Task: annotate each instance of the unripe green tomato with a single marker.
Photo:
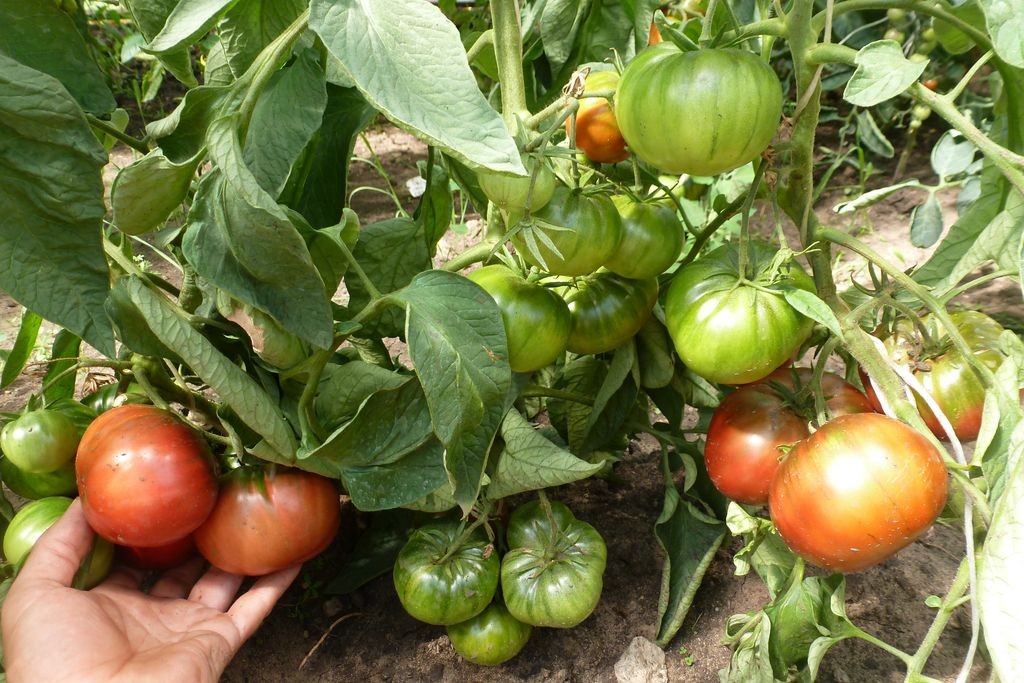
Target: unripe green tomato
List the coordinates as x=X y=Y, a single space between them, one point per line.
x=920 y=112
x=896 y=16
x=925 y=47
x=914 y=124
x=607 y=310
x=652 y=237
x=490 y=638
x=36 y=517
x=894 y=34
x=513 y=194
x=40 y=441
x=536 y=319
x=928 y=35
x=918 y=58
x=60 y=482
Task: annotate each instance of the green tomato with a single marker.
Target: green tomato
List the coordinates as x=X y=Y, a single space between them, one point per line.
x=490 y=638
x=513 y=194
x=553 y=572
x=607 y=310
x=652 y=237
x=587 y=230
x=60 y=482
x=36 y=517
x=703 y=112
x=536 y=319
x=40 y=441
x=732 y=330
x=445 y=590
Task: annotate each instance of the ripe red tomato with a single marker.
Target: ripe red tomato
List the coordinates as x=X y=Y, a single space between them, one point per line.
x=749 y=427
x=167 y=556
x=145 y=477
x=266 y=520
x=856 y=491
x=597 y=133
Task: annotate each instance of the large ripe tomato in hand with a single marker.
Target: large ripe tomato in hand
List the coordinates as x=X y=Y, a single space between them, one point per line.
x=145 y=477
x=732 y=329
x=652 y=237
x=703 y=112
x=40 y=441
x=750 y=427
x=944 y=372
x=266 y=520
x=586 y=231
x=607 y=310
x=856 y=491
x=536 y=319
x=597 y=133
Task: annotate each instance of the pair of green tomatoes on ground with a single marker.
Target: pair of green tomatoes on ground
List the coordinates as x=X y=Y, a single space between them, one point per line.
x=551 y=575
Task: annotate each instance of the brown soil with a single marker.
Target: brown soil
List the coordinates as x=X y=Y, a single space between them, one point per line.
x=366 y=636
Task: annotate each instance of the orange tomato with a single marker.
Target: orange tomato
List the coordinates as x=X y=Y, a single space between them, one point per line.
x=597 y=132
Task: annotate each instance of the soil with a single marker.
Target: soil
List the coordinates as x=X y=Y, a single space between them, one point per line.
x=367 y=636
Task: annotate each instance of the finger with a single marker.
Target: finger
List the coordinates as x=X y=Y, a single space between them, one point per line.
x=216 y=589
x=177 y=582
x=58 y=553
x=253 y=606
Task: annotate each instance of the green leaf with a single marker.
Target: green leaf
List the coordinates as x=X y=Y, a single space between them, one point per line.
x=66 y=345
x=763 y=549
x=872 y=137
x=148 y=190
x=21 y=352
x=51 y=192
x=325 y=245
x=150 y=16
x=952 y=155
x=187 y=22
x=47 y=40
x=317 y=187
x=235 y=388
x=240 y=239
x=411 y=479
x=384 y=42
x=391 y=253
x=457 y=344
x=389 y=425
x=560 y=21
x=287 y=115
x=530 y=462
x=882 y=73
x=690 y=539
x=655 y=355
x=809 y=305
x=343 y=388
x=250 y=25
x=1001 y=433
x=750 y=661
x=182 y=133
x=375 y=551
x=1005 y=21
x=953 y=40
x=131 y=327
x=926 y=223
x=436 y=205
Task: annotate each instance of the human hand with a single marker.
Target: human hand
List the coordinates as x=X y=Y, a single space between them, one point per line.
x=186 y=628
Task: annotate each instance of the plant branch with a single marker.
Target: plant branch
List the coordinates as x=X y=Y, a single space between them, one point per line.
x=105 y=127
x=485 y=40
x=949 y=603
x=508 y=51
x=475 y=254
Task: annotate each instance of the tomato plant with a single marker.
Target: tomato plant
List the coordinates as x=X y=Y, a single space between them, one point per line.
x=553 y=572
x=652 y=238
x=587 y=231
x=444 y=577
x=60 y=482
x=266 y=520
x=536 y=319
x=40 y=441
x=145 y=477
x=755 y=328
x=490 y=638
x=856 y=491
x=607 y=310
x=35 y=518
x=597 y=133
x=702 y=112
x=750 y=428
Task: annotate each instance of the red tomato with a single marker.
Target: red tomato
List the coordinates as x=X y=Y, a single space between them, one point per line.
x=597 y=132
x=856 y=491
x=268 y=520
x=750 y=427
x=167 y=556
x=145 y=477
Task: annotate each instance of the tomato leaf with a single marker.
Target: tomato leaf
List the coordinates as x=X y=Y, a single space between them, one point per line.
x=187 y=22
x=529 y=461
x=435 y=208
x=584 y=431
x=374 y=552
x=182 y=133
x=50 y=237
x=147 y=191
x=1005 y=23
x=953 y=40
x=42 y=25
x=763 y=549
x=21 y=352
x=882 y=73
x=996 y=447
x=750 y=661
x=250 y=25
x=560 y=21
x=690 y=539
x=655 y=355
x=344 y=388
x=808 y=304
x=926 y=223
x=63 y=357
x=952 y=155
x=382 y=487
x=383 y=42
x=233 y=386
x=457 y=344
x=871 y=136
x=149 y=17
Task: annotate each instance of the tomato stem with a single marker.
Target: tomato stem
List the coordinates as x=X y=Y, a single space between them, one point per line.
x=508 y=52
x=960 y=585
x=465 y=534
x=105 y=127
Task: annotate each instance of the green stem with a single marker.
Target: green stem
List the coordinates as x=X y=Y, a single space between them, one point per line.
x=475 y=254
x=925 y=7
x=486 y=39
x=705 y=29
x=508 y=51
x=745 y=219
x=371 y=289
x=962 y=84
x=565 y=102
x=976 y=282
x=978 y=496
x=894 y=651
x=105 y=127
x=308 y=422
x=698 y=244
x=952 y=600
x=464 y=536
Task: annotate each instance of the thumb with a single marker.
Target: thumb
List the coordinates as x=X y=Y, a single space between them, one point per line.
x=59 y=552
